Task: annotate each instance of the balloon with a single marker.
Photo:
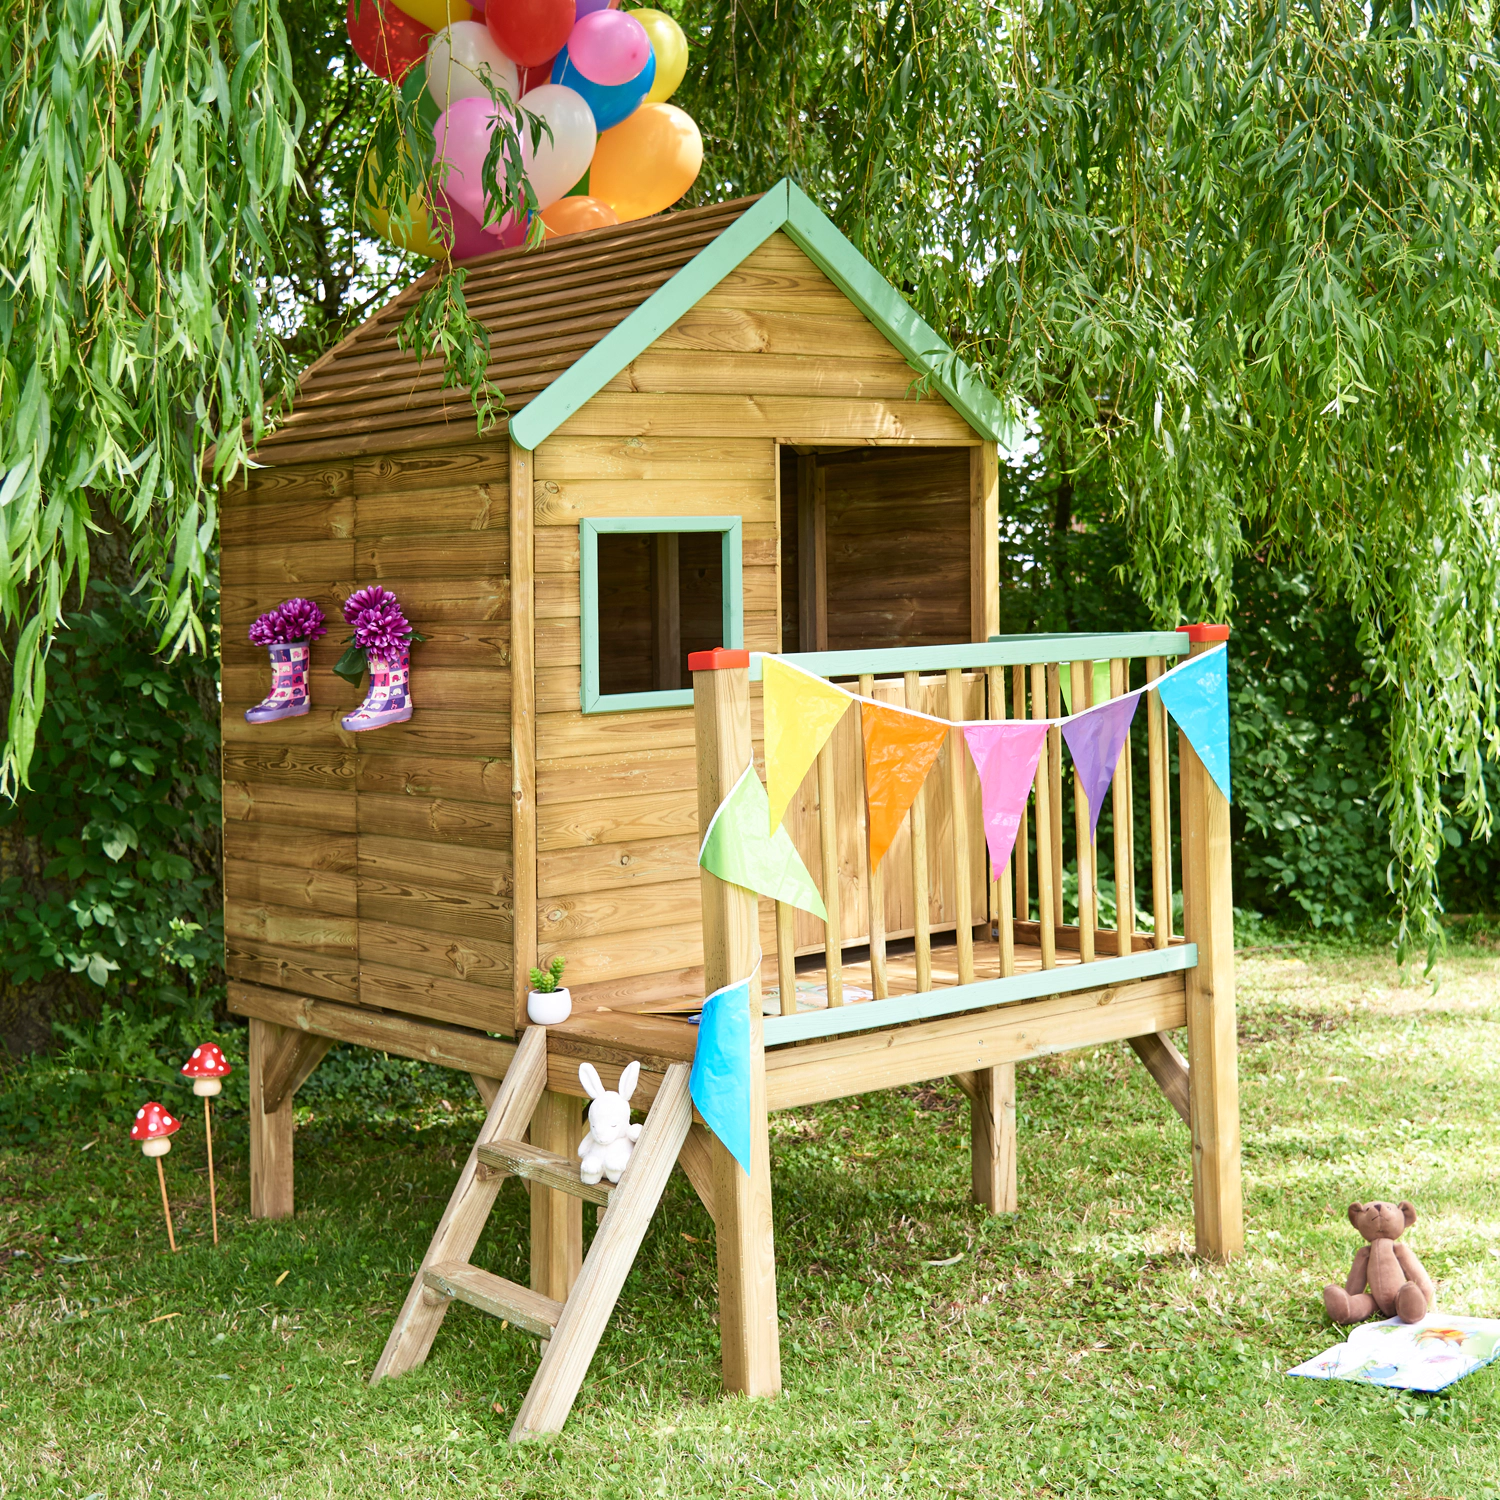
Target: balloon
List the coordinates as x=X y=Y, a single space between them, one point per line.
x=386 y=40
x=534 y=78
x=610 y=105
x=530 y=31
x=458 y=56
x=421 y=238
x=462 y=135
x=647 y=163
x=576 y=214
x=609 y=47
x=552 y=167
x=588 y=7
x=460 y=229
x=435 y=14
x=671 y=49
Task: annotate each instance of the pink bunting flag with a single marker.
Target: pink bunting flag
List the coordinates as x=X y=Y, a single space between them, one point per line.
x=1005 y=755
x=1095 y=739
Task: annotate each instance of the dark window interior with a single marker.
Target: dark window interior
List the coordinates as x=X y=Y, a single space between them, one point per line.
x=874 y=548
x=661 y=596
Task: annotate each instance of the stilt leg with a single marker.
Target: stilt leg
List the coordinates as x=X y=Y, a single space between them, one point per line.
x=556 y=1217
x=213 y=1200
x=270 y=1130
x=992 y=1137
x=166 y=1208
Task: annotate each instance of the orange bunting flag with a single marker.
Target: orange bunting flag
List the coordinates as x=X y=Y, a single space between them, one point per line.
x=899 y=751
x=801 y=712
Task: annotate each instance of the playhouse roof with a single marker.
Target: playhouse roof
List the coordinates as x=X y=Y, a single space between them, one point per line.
x=565 y=319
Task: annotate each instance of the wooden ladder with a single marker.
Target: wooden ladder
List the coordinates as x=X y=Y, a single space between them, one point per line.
x=572 y=1329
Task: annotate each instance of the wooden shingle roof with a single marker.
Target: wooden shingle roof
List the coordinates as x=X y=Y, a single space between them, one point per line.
x=544 y=309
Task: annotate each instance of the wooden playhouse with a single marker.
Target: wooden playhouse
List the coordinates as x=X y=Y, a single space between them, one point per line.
x=727 y=434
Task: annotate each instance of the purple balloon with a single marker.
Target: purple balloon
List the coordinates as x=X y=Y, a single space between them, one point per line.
x=609 y=47
x=588 y=7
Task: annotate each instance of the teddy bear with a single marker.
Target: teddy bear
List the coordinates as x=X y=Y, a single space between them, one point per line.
x=1397 y=1283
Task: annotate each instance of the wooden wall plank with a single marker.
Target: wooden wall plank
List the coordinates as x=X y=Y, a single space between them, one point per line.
x=623 y=909
x=478 y=824
x=249 y=884
x=245 y=521
x=461 y=554
x=485 y=872
x=252 y=802
x=741 y=330
x=326 y=768
x=434 y=909
x=611 y=867
x=328 y=976
x=683 y=371
x=624 y=955
x=468 y=778
x=307 y=849
x=702 y=456
x=413 y=950
x=439 y=998
x=615 y=820
x=287 y=927
x=626 y=773
x=566 y=502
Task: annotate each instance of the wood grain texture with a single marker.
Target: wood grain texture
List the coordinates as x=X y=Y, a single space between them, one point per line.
x=271 y=1182
x=523 y=729
x=557 y=1126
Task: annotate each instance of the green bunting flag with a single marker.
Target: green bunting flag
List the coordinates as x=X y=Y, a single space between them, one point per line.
x=738 y=849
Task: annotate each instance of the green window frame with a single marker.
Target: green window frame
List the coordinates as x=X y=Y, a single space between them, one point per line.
x=731 y=550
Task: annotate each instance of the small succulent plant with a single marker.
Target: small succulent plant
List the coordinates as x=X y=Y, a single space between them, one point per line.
x=546 y=981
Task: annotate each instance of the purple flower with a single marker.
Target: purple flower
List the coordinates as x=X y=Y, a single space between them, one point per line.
x=293 y=620
x=379 y=626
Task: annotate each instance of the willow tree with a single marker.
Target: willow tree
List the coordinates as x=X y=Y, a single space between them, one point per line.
x=1243 y=261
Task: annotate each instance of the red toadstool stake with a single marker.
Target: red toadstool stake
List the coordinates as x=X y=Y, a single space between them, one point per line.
x=206 y=1067
x=154 y=1128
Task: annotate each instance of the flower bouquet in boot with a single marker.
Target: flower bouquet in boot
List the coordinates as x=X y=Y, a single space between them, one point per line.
x=381 y=642
x=288 y=632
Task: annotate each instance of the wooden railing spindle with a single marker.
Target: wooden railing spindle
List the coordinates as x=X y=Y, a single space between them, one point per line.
x=1004 y=911
x=1022 y=858
x=1046 y=931
x=1054 y=773
x=963 y=904
x=921 y=894
x=1161 y=810
x=1088 y=905
x=875 y=887
x=833 y=942
x=786 y=957
x=1124 y=817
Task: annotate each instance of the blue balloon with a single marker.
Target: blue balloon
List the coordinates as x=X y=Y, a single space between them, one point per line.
x=610 y=104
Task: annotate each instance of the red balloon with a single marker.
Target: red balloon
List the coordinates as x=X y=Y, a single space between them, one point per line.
x=386 y=40
x=534 y=78
x=528 y=32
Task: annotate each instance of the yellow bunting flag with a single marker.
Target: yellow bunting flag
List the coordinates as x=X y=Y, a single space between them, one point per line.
x=899 y=751
x=801 y=712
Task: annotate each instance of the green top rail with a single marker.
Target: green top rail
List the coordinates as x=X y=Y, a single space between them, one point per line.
x=998 y=651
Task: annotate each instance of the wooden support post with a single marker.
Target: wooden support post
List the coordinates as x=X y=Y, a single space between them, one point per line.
x=874 y=885
x=745 y=1235
x=828 y=839
x=1021 y=858
x=1088 y=902
x=992 y=1137
x=1123 y=807
x=812 y=555
x=1168 y=1067
x=522 y=730
x=1161 y=810
x=1208 y=921
x=963 y=899
x=1046 y=872
x=666 y=612
x=556 y=1217
x=921 y=898
x=280 y=1061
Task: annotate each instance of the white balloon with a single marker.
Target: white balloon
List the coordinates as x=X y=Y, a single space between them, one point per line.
x=556 y=165
x=457 y=55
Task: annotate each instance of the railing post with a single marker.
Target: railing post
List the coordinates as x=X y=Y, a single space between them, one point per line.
x=744 y=1230
x=1213 y=1072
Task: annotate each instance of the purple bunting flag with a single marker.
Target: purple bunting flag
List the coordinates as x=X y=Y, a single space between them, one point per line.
x=1005 y=755
x=1095 y=739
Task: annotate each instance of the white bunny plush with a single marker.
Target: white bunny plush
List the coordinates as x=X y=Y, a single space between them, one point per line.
x=605 y=1150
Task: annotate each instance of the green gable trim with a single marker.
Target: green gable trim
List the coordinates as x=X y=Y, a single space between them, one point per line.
x=785 y=207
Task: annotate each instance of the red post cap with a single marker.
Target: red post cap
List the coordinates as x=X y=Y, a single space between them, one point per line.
x=720 y=659
x=1197 y=634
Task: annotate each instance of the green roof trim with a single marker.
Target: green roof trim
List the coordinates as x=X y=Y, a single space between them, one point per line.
x=785 y=207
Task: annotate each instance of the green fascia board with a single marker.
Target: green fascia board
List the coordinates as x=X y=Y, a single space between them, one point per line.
x=999 y=651
x=785 y=207
x=873 y=1015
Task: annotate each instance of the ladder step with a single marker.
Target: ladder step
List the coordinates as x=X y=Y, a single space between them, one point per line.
x=495 y=1295
x=545 y=1167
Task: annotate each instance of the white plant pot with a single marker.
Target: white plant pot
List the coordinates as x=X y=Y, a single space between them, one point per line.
x=549 y=1009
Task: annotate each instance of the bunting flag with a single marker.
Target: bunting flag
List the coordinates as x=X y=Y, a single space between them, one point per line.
x=720 y=1080
x=1005 y=755
x=801 y=712
x=900 y=748
x=1196 y=694
x=1095 y=739
x=1099 y=670
x=738 y=849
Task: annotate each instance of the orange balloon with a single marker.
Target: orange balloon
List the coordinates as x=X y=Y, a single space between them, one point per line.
x=574 y=215
x=647 y=162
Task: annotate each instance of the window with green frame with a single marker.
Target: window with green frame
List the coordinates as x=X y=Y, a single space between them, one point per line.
x=654 y=589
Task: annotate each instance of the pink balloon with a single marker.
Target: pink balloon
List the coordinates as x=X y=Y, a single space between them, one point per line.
x=462 y=135
x=609 y=47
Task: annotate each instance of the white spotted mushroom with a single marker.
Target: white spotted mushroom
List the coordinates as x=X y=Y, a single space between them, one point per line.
x=154 y=1128
x=207 y=1068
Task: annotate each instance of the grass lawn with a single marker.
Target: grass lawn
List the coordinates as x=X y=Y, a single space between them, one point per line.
x=1077 y=1349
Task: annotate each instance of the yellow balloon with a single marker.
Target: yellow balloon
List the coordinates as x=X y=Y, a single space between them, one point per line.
x=419 y=238
x=647 y=162
x=436 y=13
x=671 y=49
